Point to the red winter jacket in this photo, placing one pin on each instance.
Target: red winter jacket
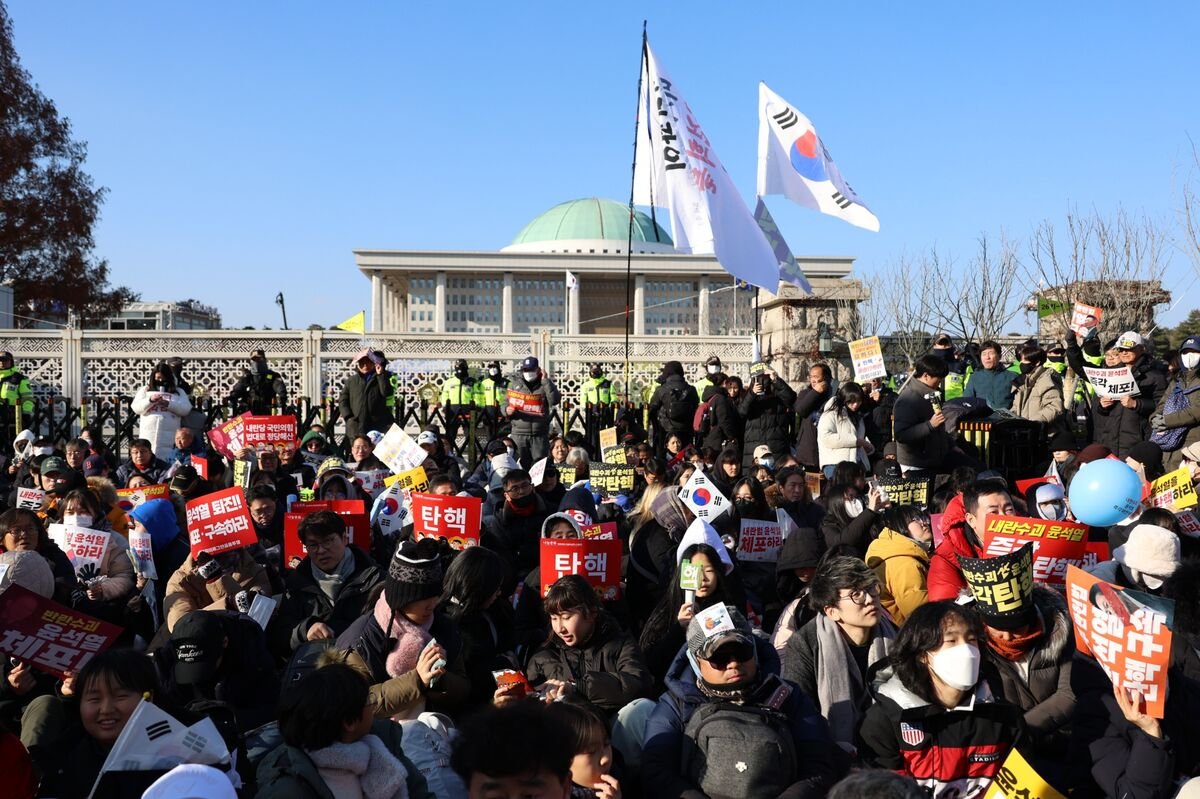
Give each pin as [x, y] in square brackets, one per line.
[945, 578]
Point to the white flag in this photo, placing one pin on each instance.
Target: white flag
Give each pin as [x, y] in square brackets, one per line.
[789, 270]
[676, 168]
[794, 162]
[572, 282]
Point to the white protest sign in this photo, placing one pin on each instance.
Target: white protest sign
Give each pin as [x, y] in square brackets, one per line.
[705, 499]
[1116, 383]
[141, 552]
[867, 355]
[372, 481]
[537, 472]
[30, 498]
[759, 541]
[399, 451]
[85, 548]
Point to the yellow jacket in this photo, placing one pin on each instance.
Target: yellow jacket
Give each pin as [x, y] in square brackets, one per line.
[901, 565]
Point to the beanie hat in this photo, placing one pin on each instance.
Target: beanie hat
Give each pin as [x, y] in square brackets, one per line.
[1092, 452]
[1063, 441]
[1150, 455]
[159, 519]
[579, 503]
[415, 573]
[1151, 553]
[28, 570]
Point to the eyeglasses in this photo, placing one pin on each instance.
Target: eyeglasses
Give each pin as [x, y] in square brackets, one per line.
[731, 653]
[862, 596]
[322, 545]
[20, 532]
[519, 489]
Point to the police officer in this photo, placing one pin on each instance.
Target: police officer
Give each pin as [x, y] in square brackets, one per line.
[712, 368]
[956, 380]
[490, 395]
[597, 389]
[458, 392]
[257, 387]
[14, 393]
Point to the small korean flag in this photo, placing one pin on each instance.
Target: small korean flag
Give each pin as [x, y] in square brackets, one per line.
[705, 499]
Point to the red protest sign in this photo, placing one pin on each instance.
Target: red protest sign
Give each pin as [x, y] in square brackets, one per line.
[1023, 486]
[219, 522]
[1128, 632]
[455, 519]
[358, 529]
[1055, 544]
[602, 530]
[130, 498]
[226, 438]
[597, 560]
[271, 431]
[201, 467]
[519, 401]
[759, 541]
[48, 636]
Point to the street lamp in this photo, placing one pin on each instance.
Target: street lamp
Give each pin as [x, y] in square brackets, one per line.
[824, 337]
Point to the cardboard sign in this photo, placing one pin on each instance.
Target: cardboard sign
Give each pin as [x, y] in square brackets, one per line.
[614, 454]
[1002, 585]
[597, 560]
[1189, 523]
[411, 480]
[608, 438]
[611, 478]
[455, 519]
[1128, 632]
[689, 575]
[1116, 383]
[30, 498]
[520, 402]
[219, 522]
[705, 499]
[278, 432]
[48, 636]
[901, 491]
[867, 356]
[226, 438]
[84, 547]
[759, 541]
[1174, 490]
[141, 552]
[399, 451]
[604, 530]
[1085, 317]
[373, 481]
[1056, 545]
[130, 498]
[1016, 779]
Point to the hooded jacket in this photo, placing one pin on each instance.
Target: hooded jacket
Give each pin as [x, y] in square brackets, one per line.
[902, 566]
[802, 549]
[529, 613]
[1189, 417]
[1038, 396]
[674, 394]
[945, 579]
[652, 548]
[725, 425]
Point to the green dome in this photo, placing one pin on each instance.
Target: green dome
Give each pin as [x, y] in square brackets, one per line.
[590, 220]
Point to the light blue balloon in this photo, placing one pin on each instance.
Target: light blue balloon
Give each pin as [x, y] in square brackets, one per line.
[1104, 492]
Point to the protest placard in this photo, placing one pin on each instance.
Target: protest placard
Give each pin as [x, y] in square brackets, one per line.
[1085, 317]
[597, 560]
[1094, 554]
[48, 636]
[411, 480]
[278, 432]
[537, 472]
[614, 454]
[867, 356]
[606, 530]
[937, 527]
[1056, 545]
[399, 451]
[30, 498]
[1002, 585]
[1174, 490]
[759, 541]
[611, 478]
[608, 438]
[219, 522]
[705, 499]
[1115, 383]
[530, 404]
[358, 530]
[201, 467]
[242, 469]
[902, 491]
[1016, 779]
[142, 554]
[372, 481]
[226, 438]
[455, 519]
[84, 547]
[1189, 523]
[130, 498]
[1128, 632]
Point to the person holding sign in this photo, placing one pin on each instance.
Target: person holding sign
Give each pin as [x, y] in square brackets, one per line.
[531, 423]
[841, 430]
[21, 530]
[936, 720]
[1122, 423]
[105, 578]
[161, 406]
[213, 582]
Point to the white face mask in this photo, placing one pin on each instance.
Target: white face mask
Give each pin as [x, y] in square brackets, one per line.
[957, 666]
[713, 369]
[512, 453]
[529, 376]
[854, 507]
[1056, 511]
[79, 519]
[1190, 359]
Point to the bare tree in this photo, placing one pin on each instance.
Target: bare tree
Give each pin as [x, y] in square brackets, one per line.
[902, 299]
[1114, 263]
[857, 310]
[1189, 213]
[980, 302]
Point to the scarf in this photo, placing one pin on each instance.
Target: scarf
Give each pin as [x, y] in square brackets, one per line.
[523, 511]
[839, 685]
[734, 692]
[408, 639]
[363, 768]
[331, 583]
[1018, 647]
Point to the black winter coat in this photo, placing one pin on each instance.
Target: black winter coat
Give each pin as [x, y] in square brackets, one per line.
[305, 604]
[809, 405]
[1120, 428]
[725, 423]
[673, 406]
[918, 444]
[857, 533]
[363, 404]
[608, 670]
[768, 419]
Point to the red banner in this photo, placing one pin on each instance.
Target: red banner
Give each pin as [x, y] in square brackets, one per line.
[219, 522]
[533, 404]
[48, 636]
[358, 529]
[130, 498]
[200, 464]
[597, 560]
[1056, 545]
[271, 431]
[455, 519]
[226, 438]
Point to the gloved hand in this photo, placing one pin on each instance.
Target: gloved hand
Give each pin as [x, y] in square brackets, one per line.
[1158, 423]
[208, 567]
[244, 599]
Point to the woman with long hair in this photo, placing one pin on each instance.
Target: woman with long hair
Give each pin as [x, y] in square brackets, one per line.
[161, 406]
[841, 431]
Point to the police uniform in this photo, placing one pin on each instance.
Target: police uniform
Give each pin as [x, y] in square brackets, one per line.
[458, 394]
[490, 394]
[14, 393]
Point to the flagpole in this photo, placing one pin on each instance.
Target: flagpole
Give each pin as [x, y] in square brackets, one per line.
[643, 67]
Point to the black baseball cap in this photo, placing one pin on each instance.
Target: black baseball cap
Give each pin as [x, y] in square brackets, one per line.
[198, 640]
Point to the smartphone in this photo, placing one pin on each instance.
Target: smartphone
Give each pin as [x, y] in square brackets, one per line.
[440, 663]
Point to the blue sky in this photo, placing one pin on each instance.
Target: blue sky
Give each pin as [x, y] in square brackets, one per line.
[249, 147]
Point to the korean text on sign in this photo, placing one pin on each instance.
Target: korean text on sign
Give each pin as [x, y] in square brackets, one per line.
[48, 636]
[759, 541]
[1056, 545]
[597, 560]
[612, 478]
[269, 431]
[1115, 383]
[455, 519]
[219, 522]
[905, 492]
[1174, 490]
[520, 402]
[867, 356]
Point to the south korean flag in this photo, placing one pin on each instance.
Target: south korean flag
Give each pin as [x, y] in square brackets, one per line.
[704, 498]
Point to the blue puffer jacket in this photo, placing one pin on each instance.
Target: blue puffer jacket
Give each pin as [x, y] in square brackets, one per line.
[994, 386]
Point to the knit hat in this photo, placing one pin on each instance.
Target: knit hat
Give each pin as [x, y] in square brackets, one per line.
[28, 570]
[1063, 441]
[701, 532]
[1150, 455]
[1092, 452]
[1002, 587]
[415, 573]
[579, 503]
[716, 626]
[1151, 553]
[312, 435]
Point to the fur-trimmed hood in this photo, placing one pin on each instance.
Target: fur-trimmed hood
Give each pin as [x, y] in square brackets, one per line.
[104, 489]
[1056, 622]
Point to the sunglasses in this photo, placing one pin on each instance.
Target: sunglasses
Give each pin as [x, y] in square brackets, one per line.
[731, 653]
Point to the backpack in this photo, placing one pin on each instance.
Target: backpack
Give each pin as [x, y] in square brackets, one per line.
[1172, 439]
[303, 662]
[702, 420]
[731, 749]
[427, 744]
[677, 408]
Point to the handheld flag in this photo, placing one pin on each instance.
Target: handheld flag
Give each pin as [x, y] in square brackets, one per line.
[676, 168]
[794, 162]
[572, 281]
[789, 270]
[355, 324]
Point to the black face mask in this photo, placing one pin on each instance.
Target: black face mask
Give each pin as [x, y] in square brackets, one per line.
[744, 506]
[597, 374]
[1027, 367]
[1054, 358]
[461, 374]
[524, 502]
[260, 367]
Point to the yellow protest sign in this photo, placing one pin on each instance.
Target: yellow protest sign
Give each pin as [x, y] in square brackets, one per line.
[608, 438]
[1016, 779]
[867, 355]
[1174, 490]
[413, 479]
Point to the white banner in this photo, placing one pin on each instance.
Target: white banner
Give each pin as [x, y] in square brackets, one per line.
[676, 168]
[1115, 383]
[399, 451]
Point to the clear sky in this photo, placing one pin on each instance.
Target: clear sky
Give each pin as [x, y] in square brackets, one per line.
[248, 147]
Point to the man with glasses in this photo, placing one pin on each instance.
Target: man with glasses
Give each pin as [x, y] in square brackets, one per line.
[728, 725]
[834, 658]
[328, 589]
[515, 528]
